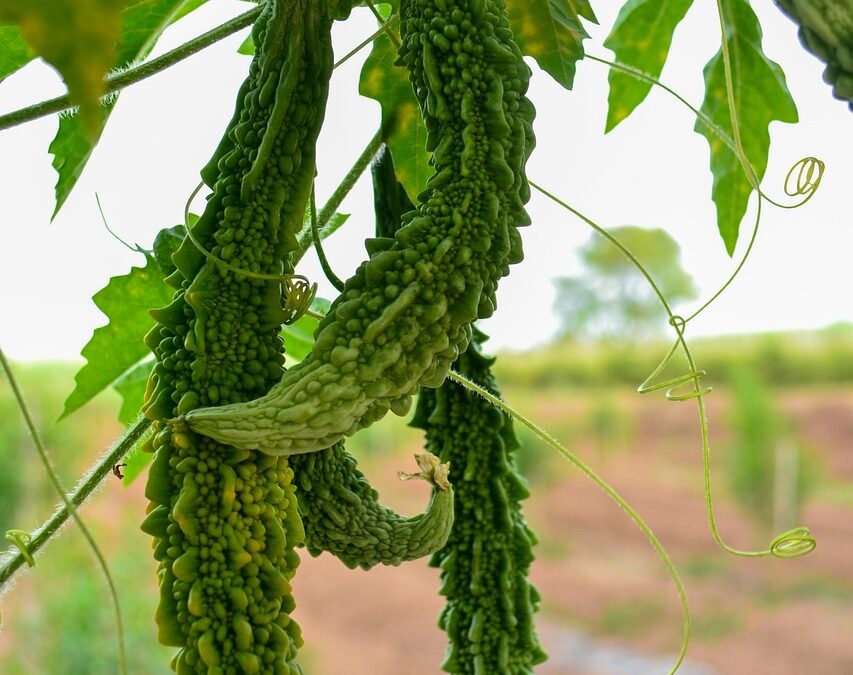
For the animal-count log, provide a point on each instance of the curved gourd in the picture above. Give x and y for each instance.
(488, 616)
(225, 521)
(341, 513)
(406, 313)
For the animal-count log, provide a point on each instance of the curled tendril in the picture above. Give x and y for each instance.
(672, 385)
(21, 539)
(298, 296)
(297, 284)
(809, 173)
(811, 164)
(793, 543)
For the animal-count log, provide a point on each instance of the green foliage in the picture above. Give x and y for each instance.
(611, 298)
(118, 346)
(402, 127)
(142, 24)
(767, 473)
(760, 96)
(14, 51)
(552, 33)
(640, 37)
(78, 38)
(758, 429)
(783, 359)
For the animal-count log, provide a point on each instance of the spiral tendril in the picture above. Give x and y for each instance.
(297, 290)
(21, 539)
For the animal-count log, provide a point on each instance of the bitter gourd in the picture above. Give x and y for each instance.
(225, 521)
(490, 603)
(406, 313)
(826, 30)
(341, 513)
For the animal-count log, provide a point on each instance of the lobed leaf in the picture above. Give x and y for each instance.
(551, 32)
(142, 24)
(640, 37)
(78, 38)
(760, 96)
(118, 346)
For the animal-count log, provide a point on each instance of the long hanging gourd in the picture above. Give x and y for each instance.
(340, 511)
(224, 520)
(406, 313)
(826, 30)
(490, 603)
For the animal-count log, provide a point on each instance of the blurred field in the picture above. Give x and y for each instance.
(608, 606)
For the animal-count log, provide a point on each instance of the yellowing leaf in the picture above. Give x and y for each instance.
(641, 38)
(551, 32)
(142, 25)
(78, 38)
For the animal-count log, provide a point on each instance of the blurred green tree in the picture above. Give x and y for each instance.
(610, 298)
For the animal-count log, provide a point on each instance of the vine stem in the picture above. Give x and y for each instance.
(606, 488)
(125, 78)
(14, 559)
(23, 540)
(331, 206)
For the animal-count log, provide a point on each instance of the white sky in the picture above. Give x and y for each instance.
(651, 171)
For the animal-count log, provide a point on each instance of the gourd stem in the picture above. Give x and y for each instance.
(318, 246)
(12, 560)
(125, 78)
(337, 197)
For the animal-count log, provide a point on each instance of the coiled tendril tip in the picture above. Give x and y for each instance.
(21, 539)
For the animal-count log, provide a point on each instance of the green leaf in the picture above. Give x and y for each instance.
(14, 51)
(142, 24)
(248, 46)
(166, 243)
(402, 127)
(641, 37)
(78, 38)
(299, 336)
(118, 346)
(131, 388)
(71, 149)
(551, 32)
(760, 96)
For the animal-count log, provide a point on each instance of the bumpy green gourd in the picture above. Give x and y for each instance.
(406, 313)
(341, 513)
(826, 30)
(225, 521)
(490, 603)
